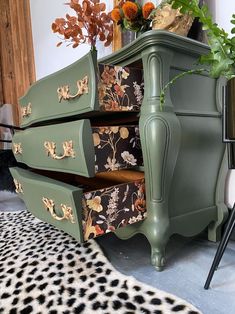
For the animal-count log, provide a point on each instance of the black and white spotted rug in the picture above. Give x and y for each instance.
(43, 270)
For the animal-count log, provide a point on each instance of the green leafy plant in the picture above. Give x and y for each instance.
(221, 59)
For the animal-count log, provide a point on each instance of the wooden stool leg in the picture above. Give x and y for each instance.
(221, 248)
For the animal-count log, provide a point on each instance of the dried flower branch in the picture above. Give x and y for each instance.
(90, 23)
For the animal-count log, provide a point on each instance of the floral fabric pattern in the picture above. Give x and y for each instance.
(110, 208)
(120, 88)
(117, 147)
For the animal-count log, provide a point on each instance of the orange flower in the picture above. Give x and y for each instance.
(108, 76)
(119, 90)
(130, 10)
(98, 230)
(115, 15)
(147, 9)
(140, 204)
(111, 228)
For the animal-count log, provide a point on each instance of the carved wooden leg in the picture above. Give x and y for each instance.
(214, 229)
(158, 258)
(158, 236)
(160, 149)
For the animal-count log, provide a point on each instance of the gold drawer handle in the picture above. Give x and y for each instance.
(26, 111)
(67, 147)
(67, 211)
(17, 149)
(64, 92)
(19, 188)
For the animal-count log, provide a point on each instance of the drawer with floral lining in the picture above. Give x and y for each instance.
(84, 209)
(83, 87)
(79, 148)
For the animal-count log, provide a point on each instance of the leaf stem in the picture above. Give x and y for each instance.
(172, 81)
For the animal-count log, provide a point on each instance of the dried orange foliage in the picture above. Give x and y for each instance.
(89, 24)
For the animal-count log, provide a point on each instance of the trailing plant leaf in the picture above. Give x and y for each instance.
(220, 61)
(221, 58)
(175, 78)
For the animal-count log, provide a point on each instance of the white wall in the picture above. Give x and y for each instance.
(223, 13)
(48, 57)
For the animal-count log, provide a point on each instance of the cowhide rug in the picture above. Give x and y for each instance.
(43, 270)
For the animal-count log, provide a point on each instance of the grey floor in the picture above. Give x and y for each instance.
(188, 262)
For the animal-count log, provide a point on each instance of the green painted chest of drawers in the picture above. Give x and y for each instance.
(103, 158)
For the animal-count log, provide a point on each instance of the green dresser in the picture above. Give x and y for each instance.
(103, 156)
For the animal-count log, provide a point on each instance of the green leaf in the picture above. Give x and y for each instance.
(233, 41)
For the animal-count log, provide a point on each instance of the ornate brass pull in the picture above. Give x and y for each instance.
(67, 211)
(26, 111)
(67, 147)
(64, 92)
(18, 185)
(17, 149)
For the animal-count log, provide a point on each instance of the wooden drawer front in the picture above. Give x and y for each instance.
(66, 147)
(67, 92)
(67, 207)
(82, 87)
(89, 149)
(51, 201)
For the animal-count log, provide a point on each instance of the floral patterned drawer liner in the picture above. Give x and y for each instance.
(120, 88)
(105, 210)
(117, 147)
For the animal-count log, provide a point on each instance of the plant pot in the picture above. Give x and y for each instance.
(172, 20)
(229, 121)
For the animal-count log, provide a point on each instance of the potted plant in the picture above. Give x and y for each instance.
(221, 59)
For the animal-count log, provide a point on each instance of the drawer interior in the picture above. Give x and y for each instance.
(100, 181)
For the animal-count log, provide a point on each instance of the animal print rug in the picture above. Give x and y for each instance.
(43, 270)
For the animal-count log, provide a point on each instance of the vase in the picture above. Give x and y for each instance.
(128, 37)
(167, 18)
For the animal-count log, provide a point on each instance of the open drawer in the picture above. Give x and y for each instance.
(84, 209)
(84, 86)
(77, 147)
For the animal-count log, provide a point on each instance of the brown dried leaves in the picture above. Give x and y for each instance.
(90, 23)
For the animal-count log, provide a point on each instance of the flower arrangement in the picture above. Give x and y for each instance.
(132, 16)
(89, 24)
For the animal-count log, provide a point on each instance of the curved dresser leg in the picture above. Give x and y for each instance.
(158, 236)
(160, 145)
(158, 258)
(214, 229)
(160, 133)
